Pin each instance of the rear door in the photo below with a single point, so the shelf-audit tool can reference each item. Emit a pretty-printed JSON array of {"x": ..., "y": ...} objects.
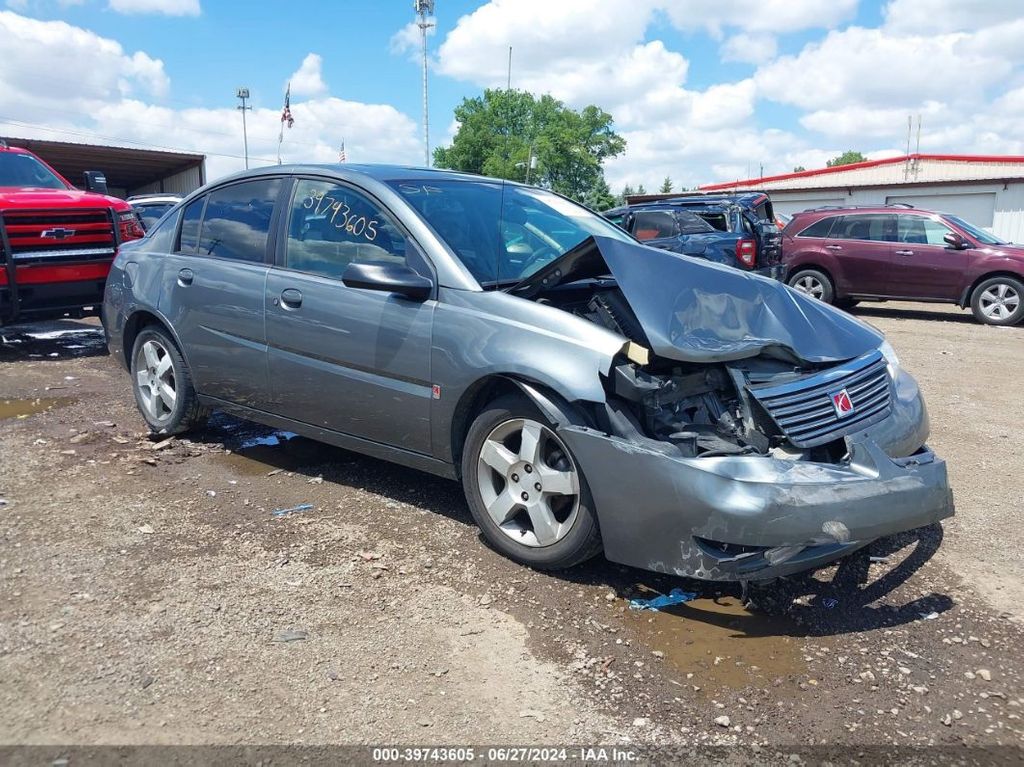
[
  {"x": 923, "y": 265},
  {"x": 214, "y": 288},
  {"x": 861, "y": 245},
  {"x": 346, "y": 359}
]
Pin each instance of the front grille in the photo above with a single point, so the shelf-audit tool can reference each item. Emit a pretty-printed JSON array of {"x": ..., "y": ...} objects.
[
  {"x": 803, "y": 409},
  {"x": 43, "y": 235}
]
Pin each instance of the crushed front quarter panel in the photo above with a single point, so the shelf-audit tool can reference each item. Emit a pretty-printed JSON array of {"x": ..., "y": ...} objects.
[{"x": 653, "y": 505}]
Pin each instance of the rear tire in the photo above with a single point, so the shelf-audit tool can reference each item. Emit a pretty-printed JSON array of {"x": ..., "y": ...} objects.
[
  {"x": 162, "y": 384},
  {"x": 998, "y": 301},
  {"x": 525, "y": 489},
  {"x": 813, "y": 283}
]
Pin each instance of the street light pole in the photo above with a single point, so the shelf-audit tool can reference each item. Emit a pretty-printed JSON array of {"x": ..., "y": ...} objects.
[
  {"x": 425, "y": 9},
  {"x": 243, "y": 94}
]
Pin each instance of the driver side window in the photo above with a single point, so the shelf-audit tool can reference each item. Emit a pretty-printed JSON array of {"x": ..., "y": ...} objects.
[{"x": 332, "y": 225}]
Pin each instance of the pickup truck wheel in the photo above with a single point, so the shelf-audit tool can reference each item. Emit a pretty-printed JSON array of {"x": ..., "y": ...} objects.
[
  {"x": 814, "y": 284},
  {"x": 998, "y": 301},
  {"x": 525, "y": 489},
  {"x": 162, "y": 384}
]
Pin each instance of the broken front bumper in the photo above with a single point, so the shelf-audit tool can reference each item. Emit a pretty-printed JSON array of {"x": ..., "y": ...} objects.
[{"x": 751, "y": 517}]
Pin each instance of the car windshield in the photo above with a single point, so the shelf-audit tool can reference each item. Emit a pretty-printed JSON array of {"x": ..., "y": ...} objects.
[
  {"x": 503, "y": 232},
  {"x": 985, "y": 238},
  {"x": 24, "y": 170}
]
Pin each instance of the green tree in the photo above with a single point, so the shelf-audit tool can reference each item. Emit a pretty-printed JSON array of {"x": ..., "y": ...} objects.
[
  {"x": 846, "y": 158},
  {"x": 640, "y": 189},
  {"x": 600, "y": 196},
  {"x": 666, "y": 186},
  {"x": 627, "y": 190},
  {"x": 799, "y": 168},
  {"x": 500, "y": 131}
]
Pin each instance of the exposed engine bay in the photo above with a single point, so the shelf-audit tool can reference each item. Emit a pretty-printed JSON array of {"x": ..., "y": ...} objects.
[{"x": 703, "y": 409}]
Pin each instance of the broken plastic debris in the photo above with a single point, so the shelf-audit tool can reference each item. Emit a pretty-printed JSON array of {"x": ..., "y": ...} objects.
[
  {"x": 929, "y": 616},
  {"x": 292, "y": 510},
  {"x": 829, "y": 602},
  {"x": 674, "y": 597}
]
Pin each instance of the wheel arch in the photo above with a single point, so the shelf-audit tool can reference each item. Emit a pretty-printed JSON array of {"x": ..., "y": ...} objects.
[
  {"x": 965, "y": 298},
  {"x": 138, "y": 320},
  {"x": 477, "y": 396}
]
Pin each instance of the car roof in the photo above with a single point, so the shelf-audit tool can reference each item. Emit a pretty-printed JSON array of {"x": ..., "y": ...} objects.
[
  {"x": 844, "y": 210},
  {"x": 377, "y": 172},
  {"x": 749, "y": 198}
]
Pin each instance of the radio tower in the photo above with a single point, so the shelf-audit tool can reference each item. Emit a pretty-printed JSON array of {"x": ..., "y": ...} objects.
[{"x": 425, "y": 10}]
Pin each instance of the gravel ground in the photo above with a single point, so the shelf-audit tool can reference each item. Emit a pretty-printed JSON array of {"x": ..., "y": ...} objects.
[{"x": 149, "y": 595}]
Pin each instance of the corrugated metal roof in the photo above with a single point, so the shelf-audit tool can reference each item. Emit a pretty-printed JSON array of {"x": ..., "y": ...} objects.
[{"x": 911, "y": 169}]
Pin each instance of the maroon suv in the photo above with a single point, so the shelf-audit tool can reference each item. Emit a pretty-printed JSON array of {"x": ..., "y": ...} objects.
[{"x": 845, "y": 255}]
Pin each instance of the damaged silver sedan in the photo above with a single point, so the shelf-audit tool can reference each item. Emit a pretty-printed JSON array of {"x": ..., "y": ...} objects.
[{"x": 591, "y": 394}]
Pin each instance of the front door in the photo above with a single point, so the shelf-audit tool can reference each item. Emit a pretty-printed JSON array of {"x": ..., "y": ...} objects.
[
  {"x": 346, "y": 359},
  {"x": 923, "y": 265},
  {"x": 214, "y": 286},
  {"x": 861, "y": 244}
]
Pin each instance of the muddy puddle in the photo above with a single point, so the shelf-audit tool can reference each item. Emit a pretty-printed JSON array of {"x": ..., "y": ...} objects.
[
  {"x": 23, "y": 408},
  {"x": 722, "y": 644}
]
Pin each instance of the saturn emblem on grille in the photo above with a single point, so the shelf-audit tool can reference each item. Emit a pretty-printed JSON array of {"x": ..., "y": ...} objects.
[
  {"x": 58, "y": 234},
  {"x": 842, "y": 403}
]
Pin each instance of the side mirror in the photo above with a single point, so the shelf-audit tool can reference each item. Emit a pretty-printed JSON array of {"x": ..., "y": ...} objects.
[
  {"x": 95, "y": 181},
  {"x": 955, "y": 241},
  {"x": 388, "y": 277}
]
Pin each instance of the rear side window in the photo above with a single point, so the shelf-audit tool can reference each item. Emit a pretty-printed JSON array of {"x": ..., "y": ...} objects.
[
  {"x": 190, "y": 220},
  {"x": 875, "y": 227},
  {"x": 237, "y": 220},
  {"x": 819, "y": 228},
  {"x": 653, "y": 224}
]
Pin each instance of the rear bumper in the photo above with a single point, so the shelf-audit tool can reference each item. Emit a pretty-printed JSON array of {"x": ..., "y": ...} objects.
[{"x": 751, "y": 517}]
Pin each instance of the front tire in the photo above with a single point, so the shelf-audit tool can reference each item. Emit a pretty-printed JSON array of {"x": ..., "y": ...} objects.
[
  {"x": 525, "y": 490},
  {"x": 162, "y": 384},
  {"x": 813, "y": 283},
  {"x": 998, "y": 301}
]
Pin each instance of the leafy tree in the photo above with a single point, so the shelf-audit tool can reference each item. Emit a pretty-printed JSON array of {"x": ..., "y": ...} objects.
[
  {"x": 640, "y": 189},
  {"x": 666, "y": 186},
  {"x": 500, "y": 130},
  {"x": 846, "y": 158},
  {"x": 799, "y": 169},
  {"x": 600, "y": 196}
]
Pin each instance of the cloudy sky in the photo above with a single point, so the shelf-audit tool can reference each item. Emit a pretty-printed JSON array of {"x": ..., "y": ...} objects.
[{"x": 702, "y": 90}]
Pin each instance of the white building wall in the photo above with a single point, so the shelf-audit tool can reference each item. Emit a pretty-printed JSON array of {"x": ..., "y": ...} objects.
[{"x": 971, "y": 201}]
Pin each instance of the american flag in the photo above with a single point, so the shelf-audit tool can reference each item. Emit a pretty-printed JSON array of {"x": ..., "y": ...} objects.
[
  {"x": 341, "y": 153},
  {"x": 286, "y": 113}
]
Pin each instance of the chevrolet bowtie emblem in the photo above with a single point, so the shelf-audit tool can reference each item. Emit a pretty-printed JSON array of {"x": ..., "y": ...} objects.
[{"x": 58, "y": 233}]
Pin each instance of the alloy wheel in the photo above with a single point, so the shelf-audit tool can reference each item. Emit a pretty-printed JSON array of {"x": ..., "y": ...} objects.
[
  {"x": 810, "y": 285},
  {"x": 528, "y": 482},
  {"x": 155, "y": 380},
  {"x": 999, "y": 301}
]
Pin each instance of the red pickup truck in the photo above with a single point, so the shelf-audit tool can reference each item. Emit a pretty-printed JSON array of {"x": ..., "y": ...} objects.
[{"x": 56, "y": 242}]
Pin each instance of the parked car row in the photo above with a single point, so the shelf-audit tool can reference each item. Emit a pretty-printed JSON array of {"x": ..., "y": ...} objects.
[{"x": 843, "y": 255}]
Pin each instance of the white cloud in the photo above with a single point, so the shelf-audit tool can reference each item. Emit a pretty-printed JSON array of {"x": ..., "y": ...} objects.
[
  {"x": 48, "y": 93},
  {"x": 165, "y": 7},
  {"x": 869, "y": 67},
  {"x": 749, "y": 48},
  {"x": 920, "y": 17},
  {"x": 308, "y": 79},
  {"x": 758, "y": 15},
  {"x": 408, "y": 39}
]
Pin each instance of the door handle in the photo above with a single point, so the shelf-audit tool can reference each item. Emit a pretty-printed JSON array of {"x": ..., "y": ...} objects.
[
  {"x": 834, "y": 247},
  {"x": 291, "y": 298},
  {"x": 185, "y": 277},
  {"x": 904, "y": 252}
]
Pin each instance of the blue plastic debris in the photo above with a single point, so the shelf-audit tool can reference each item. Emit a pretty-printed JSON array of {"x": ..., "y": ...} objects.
[
  {"x": 292, "y": 510},
  {"x": 674, "y": 597},
  {"x": 829, "y": 602}
]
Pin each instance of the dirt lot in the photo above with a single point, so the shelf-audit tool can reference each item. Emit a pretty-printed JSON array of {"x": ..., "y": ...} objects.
[{"x": 148, "y": 594}]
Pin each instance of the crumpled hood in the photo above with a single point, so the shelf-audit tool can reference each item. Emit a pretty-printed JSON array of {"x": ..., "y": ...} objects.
[{"x": 696, "y": 311}]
